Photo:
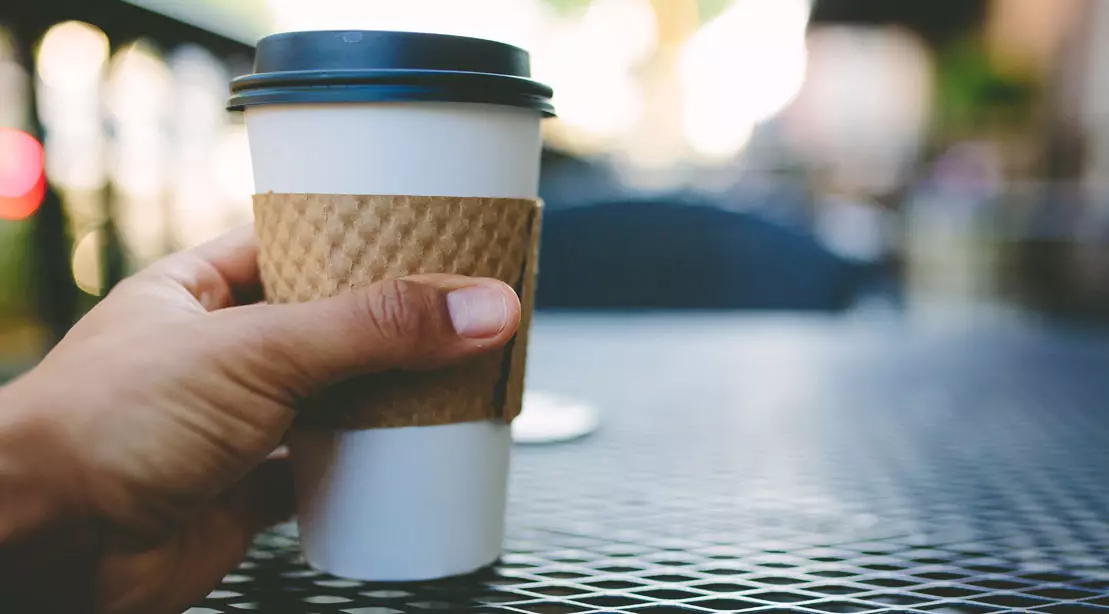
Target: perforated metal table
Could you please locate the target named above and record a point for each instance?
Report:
(776, 464)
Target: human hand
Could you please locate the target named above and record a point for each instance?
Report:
(137, 460)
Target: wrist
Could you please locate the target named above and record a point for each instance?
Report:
(43, 538)
(30, 497)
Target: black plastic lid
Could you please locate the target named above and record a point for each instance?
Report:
(377, 66)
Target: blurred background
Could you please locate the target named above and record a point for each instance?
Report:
(910, 159)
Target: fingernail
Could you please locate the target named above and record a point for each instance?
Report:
(478, 312)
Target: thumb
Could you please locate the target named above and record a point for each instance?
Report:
(415, 323)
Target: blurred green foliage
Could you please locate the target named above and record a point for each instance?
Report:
(975, 97)
(15, 266)
(567, 7)
(711, 8)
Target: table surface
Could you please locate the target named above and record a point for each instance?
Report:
(783, 464)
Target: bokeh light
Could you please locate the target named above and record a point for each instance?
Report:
(591, 59)
(75, 159)
(88, 262)
(22, 177)
(197, 211)
(200, 89)
(739, 70)
(138, 99)
(139, 84)
(597, 99)
(231, 165)
(200, 216)
(72, 56)
(864, 108)
(625, 29)
(71, 61)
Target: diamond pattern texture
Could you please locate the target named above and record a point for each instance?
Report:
(781, 468)
(314, 246)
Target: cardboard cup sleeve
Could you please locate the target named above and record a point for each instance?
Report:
(313, 246)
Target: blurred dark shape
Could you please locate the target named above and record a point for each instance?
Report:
(567, 180)
(115, 262)
(975, 93)
(55, 291)
(1056, 262)
(56, 294)
(653, 254)
(937, 21)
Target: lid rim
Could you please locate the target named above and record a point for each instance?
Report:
(362, 94)
(379, 76)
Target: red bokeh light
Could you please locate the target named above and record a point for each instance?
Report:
(22, 174)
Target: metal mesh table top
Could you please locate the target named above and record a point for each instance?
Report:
(762, 465)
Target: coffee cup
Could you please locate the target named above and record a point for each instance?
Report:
(383, 118)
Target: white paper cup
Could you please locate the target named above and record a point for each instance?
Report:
(414, 503)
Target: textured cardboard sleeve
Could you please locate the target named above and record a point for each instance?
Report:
(312, 246)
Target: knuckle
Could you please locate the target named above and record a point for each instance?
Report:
(396, 310)
(130, 285)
